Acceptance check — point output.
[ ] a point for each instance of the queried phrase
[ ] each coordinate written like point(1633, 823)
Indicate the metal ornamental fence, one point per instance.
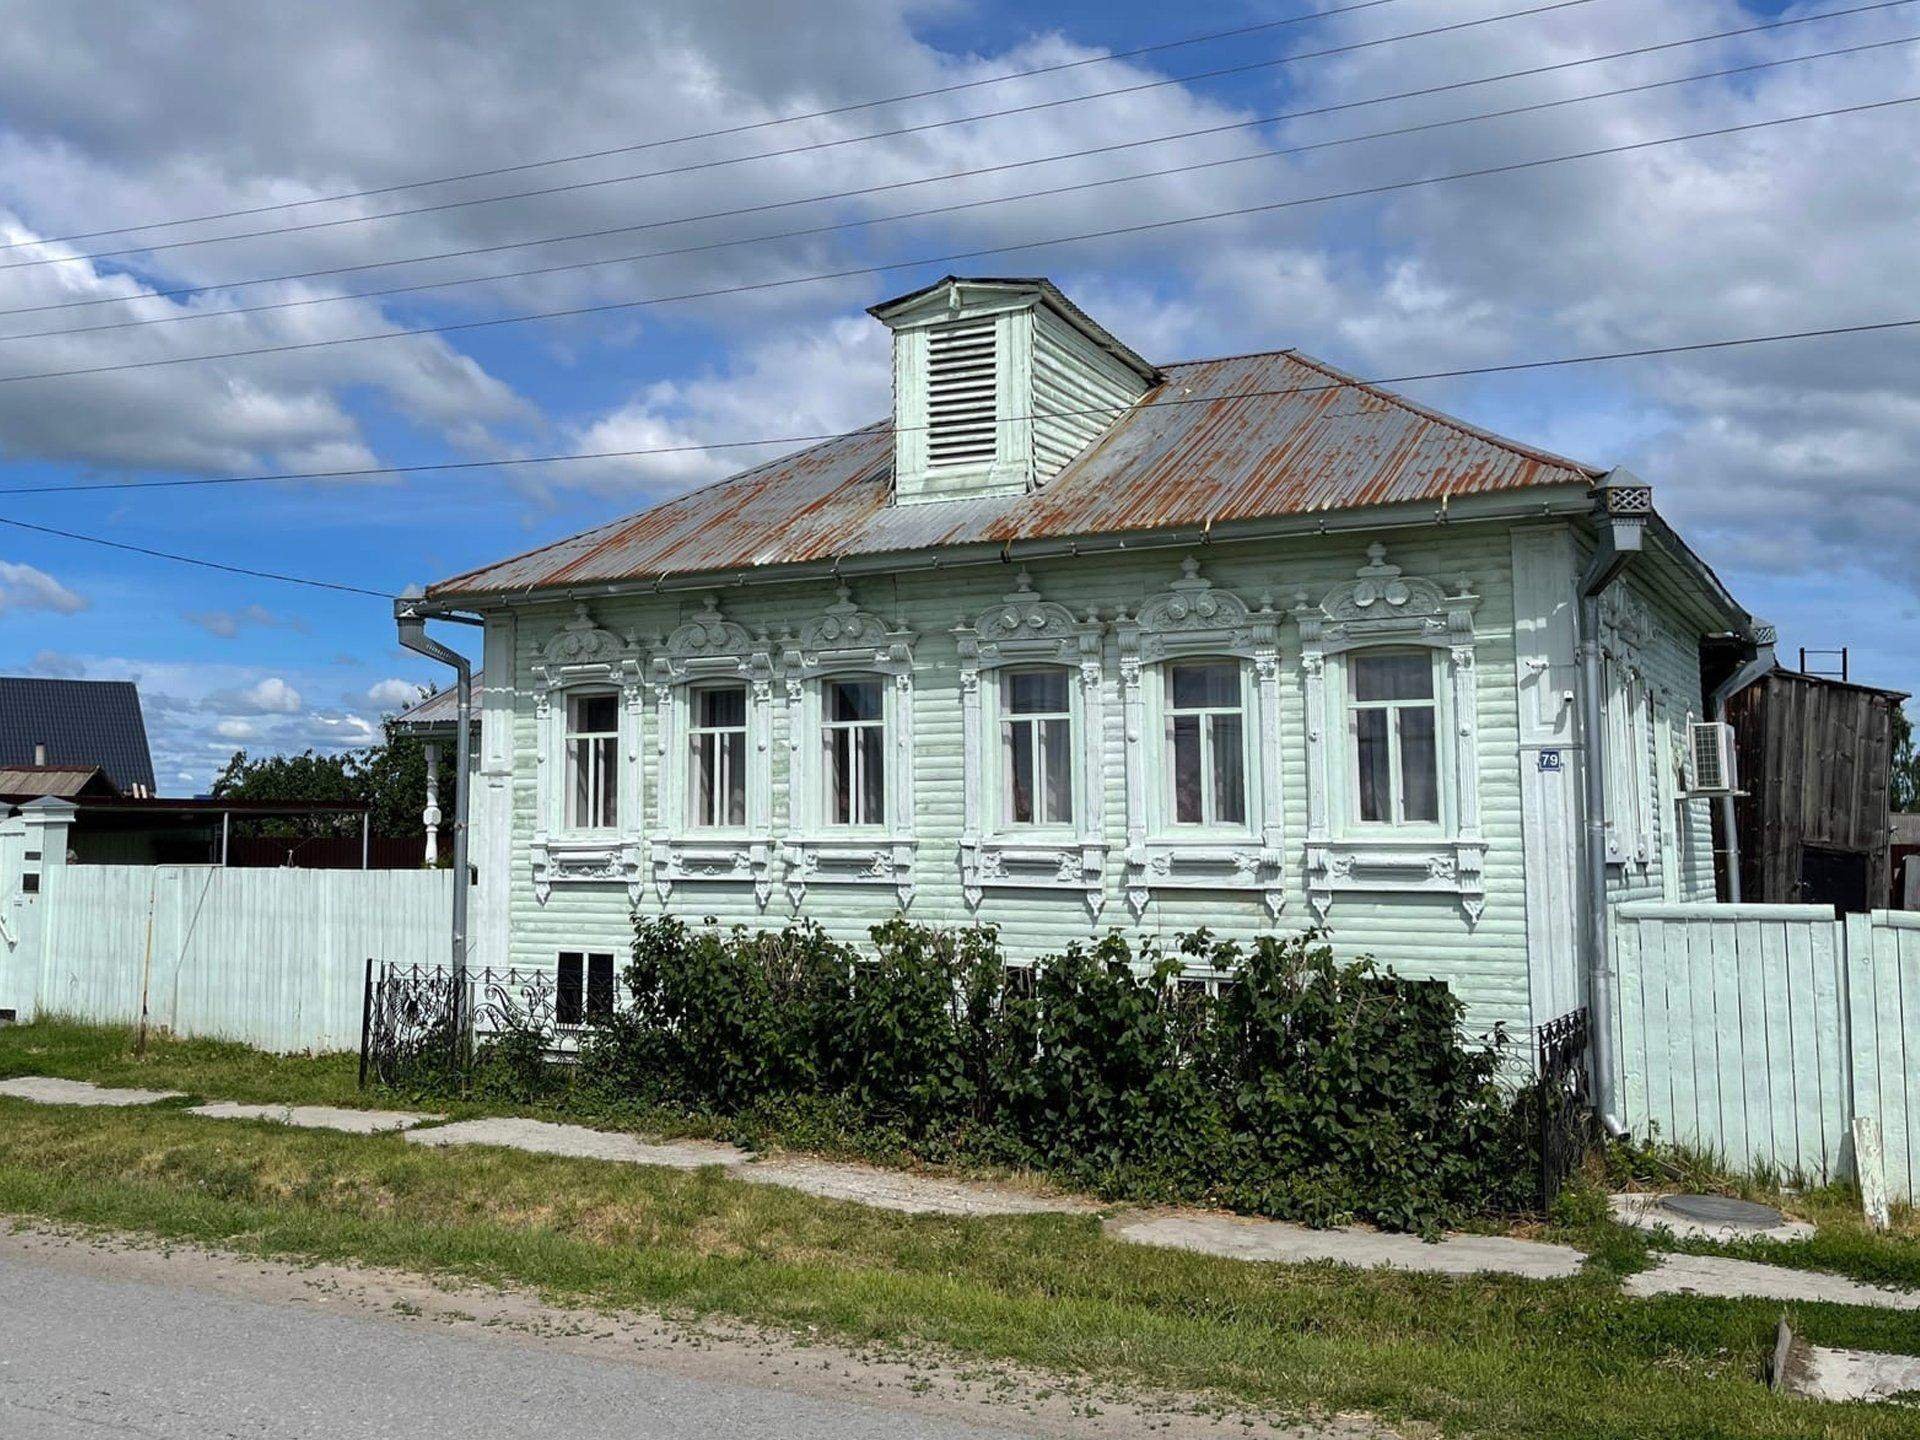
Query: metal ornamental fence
point(1565, 1100)
point(415, 1018)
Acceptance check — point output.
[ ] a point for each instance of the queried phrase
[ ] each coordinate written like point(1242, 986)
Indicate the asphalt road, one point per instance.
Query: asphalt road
point(85, 1356)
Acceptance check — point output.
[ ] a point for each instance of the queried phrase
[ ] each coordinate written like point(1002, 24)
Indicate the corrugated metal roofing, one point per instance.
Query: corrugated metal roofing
point(1200, 448)
point(81, 722)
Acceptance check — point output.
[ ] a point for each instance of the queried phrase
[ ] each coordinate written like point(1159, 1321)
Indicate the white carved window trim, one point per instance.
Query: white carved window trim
point(1626, 629)
point(1192, 620)
point(1026, 632)
point(1382, 608)
point(581, 656)
point(709, 647)
point(846, 640)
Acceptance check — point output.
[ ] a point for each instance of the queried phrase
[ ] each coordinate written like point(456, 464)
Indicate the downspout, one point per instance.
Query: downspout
point(1760, 640)
point(1621, 504)
point(410, 615)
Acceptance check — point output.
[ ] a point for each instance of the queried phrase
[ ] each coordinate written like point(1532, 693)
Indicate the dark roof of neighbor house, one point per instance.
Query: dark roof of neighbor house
point(1239, 438)
point(439, 711)
point(20, 783)
point(81, 722)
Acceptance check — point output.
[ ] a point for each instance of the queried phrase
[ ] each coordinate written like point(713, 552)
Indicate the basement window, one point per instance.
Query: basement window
point(962, 380)
point(583, 990)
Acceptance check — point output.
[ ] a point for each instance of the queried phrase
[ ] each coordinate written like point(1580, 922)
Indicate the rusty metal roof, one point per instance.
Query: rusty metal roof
point(1245, 437)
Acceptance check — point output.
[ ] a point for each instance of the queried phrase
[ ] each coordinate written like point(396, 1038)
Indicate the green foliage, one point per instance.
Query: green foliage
point(1306, 1088)
point(1904, 793)
point(390, 777)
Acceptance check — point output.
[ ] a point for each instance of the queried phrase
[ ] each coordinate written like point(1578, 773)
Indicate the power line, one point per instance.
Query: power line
point(1104, 59)
point(179, 292)
point(1456, 373)
point(1144, 227)
point(196, 560)
point(811, 147)
point(1041, 193)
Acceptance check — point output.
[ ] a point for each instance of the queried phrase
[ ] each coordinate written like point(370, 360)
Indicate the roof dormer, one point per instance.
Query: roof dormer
point(997, 384)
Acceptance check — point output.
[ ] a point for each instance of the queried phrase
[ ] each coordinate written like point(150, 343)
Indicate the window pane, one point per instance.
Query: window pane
point(720, 707)
point(1419, 768)
point(839, 745)
point(1057, 748)
point(1373, 764)
point(1211, 685)
point(1393, 675)
point(736, 778)
point(1229, 771)
point(595, 714)
point(567, 989)
point(579, 782)
point(853, 700)
point(1019, 753)
point(873, 775)
point(706, 756)
point(1037, 692)
point(608, 776)
point(1186, 770)
point(599, 986)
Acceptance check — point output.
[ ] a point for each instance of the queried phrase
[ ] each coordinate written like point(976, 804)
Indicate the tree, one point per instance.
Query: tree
point(1904, 792)
point(390, 778)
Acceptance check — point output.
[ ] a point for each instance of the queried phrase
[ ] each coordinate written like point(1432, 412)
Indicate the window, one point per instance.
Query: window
point(1207, 744)
point(853, 735)
point(583, 992)
point(1036, 747)
point(592, 750)
point(961, 428)
point(718, 772)
point(1396, 757)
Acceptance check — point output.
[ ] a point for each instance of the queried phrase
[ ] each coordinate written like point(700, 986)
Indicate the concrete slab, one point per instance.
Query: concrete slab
point(316, 1117)
point(542, 1137)
point(899, 1190)
point(1748, 1279)
point(1645, 1212)
point(46, 1090)
point(1867, 1375)
point(1241, 1239)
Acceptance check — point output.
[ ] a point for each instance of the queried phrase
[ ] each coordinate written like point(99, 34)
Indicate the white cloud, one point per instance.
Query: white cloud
point(270, 696)
point(25, 587)
point(388, 695)
point(236, 729)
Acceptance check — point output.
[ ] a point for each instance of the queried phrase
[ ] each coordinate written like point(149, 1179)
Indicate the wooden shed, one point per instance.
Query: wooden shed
point(1815, 759)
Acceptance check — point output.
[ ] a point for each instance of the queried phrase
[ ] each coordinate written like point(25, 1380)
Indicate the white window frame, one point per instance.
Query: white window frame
point(863, 791)
point(1385, 609)
point(1023, 632)
point(717, 793)
point(1169, 714)
point(571, 735)
point(582, 657)
point(1350, 820)
point(845, 641)
point(706, 649)
point(1193, 620)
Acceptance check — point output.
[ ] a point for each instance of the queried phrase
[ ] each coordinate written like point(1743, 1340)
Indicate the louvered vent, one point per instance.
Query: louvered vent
point(961, 365)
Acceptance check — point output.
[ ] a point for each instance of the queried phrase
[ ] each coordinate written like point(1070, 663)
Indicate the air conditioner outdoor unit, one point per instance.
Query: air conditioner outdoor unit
point(1713, 770)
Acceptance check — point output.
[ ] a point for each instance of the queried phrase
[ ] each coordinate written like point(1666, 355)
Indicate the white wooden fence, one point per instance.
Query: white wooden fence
point(1761, 1031)
point(275, 958)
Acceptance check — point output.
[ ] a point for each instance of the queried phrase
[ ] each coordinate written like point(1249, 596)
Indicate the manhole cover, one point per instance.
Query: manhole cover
point(1722, 1210)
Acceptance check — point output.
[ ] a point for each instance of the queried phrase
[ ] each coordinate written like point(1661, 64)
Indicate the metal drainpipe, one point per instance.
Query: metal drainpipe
point(1621, 504)
point(410, 617)
point(1761, 638)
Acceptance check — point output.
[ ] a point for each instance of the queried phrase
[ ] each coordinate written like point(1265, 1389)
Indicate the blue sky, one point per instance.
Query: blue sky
point(1789, 467)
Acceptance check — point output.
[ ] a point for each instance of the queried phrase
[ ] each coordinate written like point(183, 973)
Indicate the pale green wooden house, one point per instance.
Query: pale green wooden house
point(1076, 640)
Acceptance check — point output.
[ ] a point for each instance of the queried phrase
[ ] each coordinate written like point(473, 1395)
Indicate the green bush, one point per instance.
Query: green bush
point(1306, 1088)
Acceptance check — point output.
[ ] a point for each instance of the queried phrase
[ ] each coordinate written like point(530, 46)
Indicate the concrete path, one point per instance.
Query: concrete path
point(315, 1117)
point(1820, 1373)
point(1273, 1240)
point(1644, 1212)
point(1717, 1276)
point(48, 1091)
point(543, 1137)
point(904, 1191)
point(175, 1343)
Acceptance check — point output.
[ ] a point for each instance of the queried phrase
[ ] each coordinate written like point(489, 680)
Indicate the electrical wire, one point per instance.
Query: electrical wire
point(1046, 192)
point(1143, 227)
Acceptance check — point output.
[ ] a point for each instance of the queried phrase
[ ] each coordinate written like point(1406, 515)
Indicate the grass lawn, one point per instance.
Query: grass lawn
point(1482, 1356)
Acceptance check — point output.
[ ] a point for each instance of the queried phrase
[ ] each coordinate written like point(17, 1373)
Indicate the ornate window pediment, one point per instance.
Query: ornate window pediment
point(845, 641)
point(1026, 631)
point(709, 649)
point(1193, 620)
point(1382, 607)
point(583, 656)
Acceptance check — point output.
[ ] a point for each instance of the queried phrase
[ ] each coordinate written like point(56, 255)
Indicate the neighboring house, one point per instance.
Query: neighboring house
point(20, 784)
point(1815, 765)
point(76, 722)
point(1080, 641)
point(435, 720)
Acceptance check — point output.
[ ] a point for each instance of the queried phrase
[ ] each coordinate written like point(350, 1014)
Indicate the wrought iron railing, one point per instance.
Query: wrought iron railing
point(417, 1021)
point(1565, 1101)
